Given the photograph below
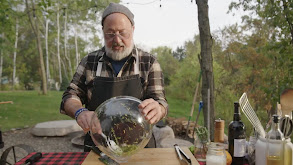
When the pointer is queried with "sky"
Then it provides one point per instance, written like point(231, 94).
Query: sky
point(175, 21)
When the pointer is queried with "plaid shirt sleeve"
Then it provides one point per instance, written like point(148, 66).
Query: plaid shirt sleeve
point(155, 83)
point(77, 87)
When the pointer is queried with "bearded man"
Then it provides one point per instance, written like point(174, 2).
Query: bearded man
point(117, 69)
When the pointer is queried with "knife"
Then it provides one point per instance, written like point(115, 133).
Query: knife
point(33, 159)
point(103, 157)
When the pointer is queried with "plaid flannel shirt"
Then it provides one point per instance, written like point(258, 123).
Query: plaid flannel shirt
point(151, 76)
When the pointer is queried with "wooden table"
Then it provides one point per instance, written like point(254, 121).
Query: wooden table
point(147, 156)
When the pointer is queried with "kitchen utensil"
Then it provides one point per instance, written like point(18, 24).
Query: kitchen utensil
point(33, 159)
point(250, 114)
point(103, 157)
point(111, 144)
point(193, 103)
point(286, 126)
point(208, 114)
point(180, 152)
point(286, 102)
point(197, 116)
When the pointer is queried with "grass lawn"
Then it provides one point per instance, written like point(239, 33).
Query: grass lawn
point(30, 108)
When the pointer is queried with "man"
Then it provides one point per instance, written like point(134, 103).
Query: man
point(119, 68)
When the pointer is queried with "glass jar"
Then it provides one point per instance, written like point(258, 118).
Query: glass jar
point(216, 154)
point(200, 151)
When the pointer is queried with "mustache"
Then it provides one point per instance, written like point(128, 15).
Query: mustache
point(117, 44)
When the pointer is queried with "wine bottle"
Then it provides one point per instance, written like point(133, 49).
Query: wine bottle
point(236, 138)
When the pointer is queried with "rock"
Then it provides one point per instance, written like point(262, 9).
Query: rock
point(78, 140)
point(162, 133)
point(56, 128)
point(169, 143)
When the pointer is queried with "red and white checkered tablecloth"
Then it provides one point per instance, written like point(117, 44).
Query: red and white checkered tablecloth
point(58, 158)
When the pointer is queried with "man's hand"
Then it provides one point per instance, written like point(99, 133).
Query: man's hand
point(152, 110)
point(84, 120)
point(96, 126)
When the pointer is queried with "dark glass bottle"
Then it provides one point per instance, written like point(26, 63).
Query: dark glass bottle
point(236, 138)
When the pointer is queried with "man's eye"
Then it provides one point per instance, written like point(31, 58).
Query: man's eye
point(110, 34)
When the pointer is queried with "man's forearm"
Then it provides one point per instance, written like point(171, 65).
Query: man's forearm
point(71, 106)
point(164, 111)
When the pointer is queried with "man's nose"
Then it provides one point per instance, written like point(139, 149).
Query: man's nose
point(117, 38)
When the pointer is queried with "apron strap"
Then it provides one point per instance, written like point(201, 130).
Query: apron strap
point(136, 66)
point(99, 69)
point(100, 63)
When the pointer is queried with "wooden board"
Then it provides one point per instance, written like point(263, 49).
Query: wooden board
point(147, 156)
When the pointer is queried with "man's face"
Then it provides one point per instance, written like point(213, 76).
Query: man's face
point(118, 36)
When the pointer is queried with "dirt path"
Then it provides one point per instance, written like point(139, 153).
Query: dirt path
point(39, 144)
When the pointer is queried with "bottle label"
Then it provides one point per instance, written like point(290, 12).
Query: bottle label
point(239, 147)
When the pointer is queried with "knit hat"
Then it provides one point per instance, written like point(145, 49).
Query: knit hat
point(117, 8)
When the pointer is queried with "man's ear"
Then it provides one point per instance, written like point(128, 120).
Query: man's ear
point(133, 27)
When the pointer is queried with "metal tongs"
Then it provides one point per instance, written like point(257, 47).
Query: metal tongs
point(180, 152)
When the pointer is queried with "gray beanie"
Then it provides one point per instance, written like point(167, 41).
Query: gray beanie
point(117, 8)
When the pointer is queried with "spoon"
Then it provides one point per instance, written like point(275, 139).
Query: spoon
point(112, 145)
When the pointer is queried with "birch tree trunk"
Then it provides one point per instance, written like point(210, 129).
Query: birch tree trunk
point(47, 52)
point(206, 64)
point(14, 54)
point(65, 45)
point(35, 28)
point(64, 69)
point(77, 57)
point(1, 60)
point(1, 66)
point(58, 46)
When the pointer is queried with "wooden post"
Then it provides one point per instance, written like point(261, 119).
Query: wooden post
point(6, 102)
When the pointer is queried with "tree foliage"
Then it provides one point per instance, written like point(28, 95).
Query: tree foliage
point(83, 17)
point(264, 56)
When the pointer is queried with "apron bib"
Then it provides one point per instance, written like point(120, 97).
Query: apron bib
point(105, 88)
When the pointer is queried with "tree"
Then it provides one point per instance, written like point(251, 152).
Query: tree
point(270, 23)
point(206, 64)
point(15, 53)
point(167, 62)
point(35, 27)
point(183, 80)
point(179, 53)
point(277, 13)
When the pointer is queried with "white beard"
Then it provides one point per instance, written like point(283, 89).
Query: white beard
point(116, 55)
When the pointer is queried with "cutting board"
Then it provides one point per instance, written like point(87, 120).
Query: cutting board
point(147, 156)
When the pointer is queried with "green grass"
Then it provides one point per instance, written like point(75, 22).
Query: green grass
point(30, 108)
point(181, 108)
